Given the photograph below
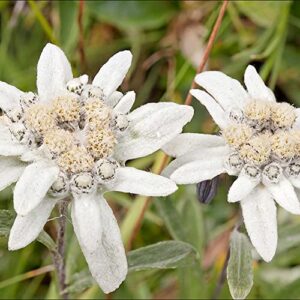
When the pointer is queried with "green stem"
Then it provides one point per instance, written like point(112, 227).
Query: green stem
point(43, 21)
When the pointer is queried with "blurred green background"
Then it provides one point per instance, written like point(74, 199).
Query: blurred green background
point(167, 39)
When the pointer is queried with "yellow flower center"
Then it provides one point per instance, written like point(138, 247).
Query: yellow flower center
point(77, 134)
point(264, 134)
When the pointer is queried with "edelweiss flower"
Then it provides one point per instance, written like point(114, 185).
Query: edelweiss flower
point(259, 143)
point(73, 139)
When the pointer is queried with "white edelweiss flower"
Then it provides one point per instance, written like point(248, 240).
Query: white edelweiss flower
point(72, 139)
point(259, 142)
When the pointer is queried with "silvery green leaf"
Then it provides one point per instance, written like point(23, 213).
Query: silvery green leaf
point(281, 277)
point(80, 281)
point(45, 239)
point(163, 255)
point(239, 270)
point(6, 221)
point(193, 223)
point(171, 217)
point(289, 237)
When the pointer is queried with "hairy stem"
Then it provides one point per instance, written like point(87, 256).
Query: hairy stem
point(59, 254)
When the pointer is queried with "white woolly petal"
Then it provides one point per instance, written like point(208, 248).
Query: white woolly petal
point(8, 146)
point(107, 262)
point(256, 86)
point(33, 155)
point(10, 170)
point(9, 96)
point(295, 181)
point(241, 188)
point(187, 142)
point(27, 228)
point(112, 73)
point(202, 169)
point(33, 185)
point(113, 99)
point(125, 104)
point(284, 194)
point(53, 73)
point(228, 92)
point(150, 127)
point(259, 212)
point(11, 148)
point(86, 213)
point(195, 155)
point(4, 131)
point(214, 109)
point(131, 180)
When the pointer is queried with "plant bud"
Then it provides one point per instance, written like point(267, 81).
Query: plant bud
point(207, 189)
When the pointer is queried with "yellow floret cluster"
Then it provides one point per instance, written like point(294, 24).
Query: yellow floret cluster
point(257, 150)
point(97, 113)
point(76, 160)
point(258, 110)
point(58, 140)
point(75, 148)
point(101, 143)
point(66, 109)
point(283, 145)
point(273, 138)
point(39, 118)
point(237, 134)
point(283, 115)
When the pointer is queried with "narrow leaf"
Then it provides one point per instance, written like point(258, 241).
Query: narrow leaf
point(171, 217)
point(239, 270)
point(80, 282)
point(6, 221)
point(45, 239)
point(163, 255)
point(192, 221)
point(289, 237)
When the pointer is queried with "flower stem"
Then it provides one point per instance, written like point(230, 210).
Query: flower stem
point(59, 254)
point(208, 48)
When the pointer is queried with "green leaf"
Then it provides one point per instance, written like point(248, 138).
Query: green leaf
point(192, 221)
point(163, 255)
point(45, 239)
point(80, 281)
point(68, 11)
point(262, 13)
point(171, 217)
point(239, 270)
point(6, 221)
point(192, 284)
point(288, 238)
point(133, 14)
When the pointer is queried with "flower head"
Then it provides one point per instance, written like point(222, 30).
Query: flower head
point(258, 142)
point(72, 139)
